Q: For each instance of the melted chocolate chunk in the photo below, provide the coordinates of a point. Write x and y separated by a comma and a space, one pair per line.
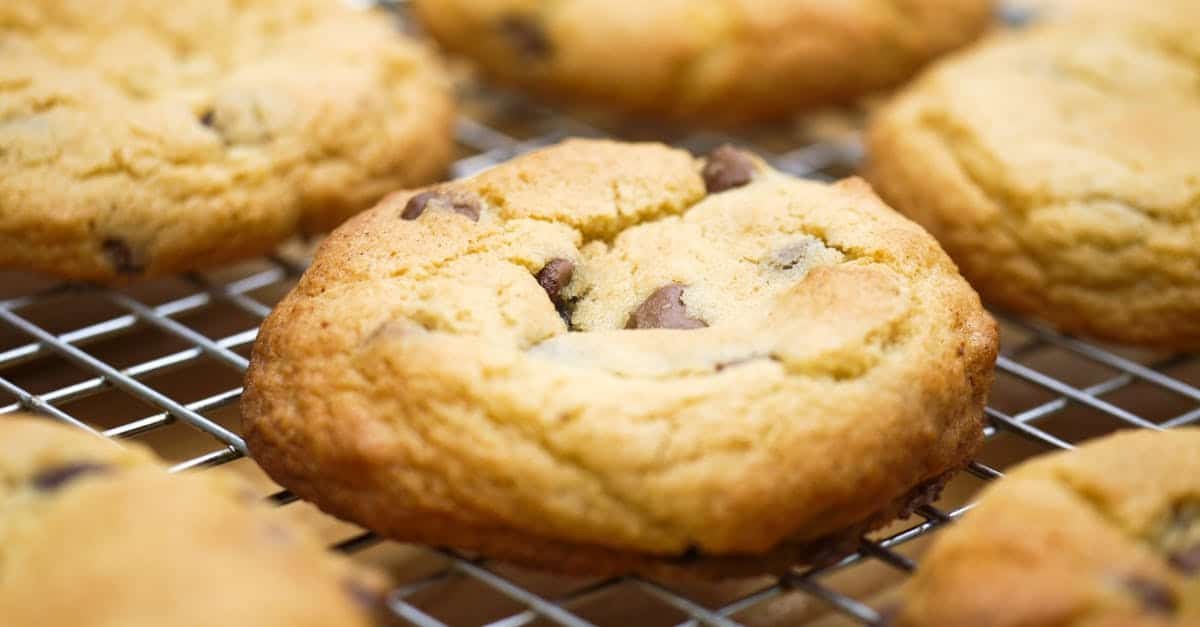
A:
1155, 597
664, 309
121, 256
553, 278
527, 36
462, 204
57, 477
208, 118
794, 254
690, 555
1186, 561
416, 205
727, 168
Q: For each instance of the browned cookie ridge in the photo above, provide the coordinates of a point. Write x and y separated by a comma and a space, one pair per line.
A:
614, 370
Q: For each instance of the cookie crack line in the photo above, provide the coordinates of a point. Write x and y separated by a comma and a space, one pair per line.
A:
726, 170
951, 140
1006, 204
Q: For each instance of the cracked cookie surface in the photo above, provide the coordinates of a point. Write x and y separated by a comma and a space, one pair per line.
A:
706, 60
1058, 167
143, 140
599, 366
96, 534
1107, 535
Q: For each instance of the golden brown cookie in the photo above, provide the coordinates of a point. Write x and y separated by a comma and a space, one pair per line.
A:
1104, 536
1058, 167
611, 358
142, 140
704, 60
98, 534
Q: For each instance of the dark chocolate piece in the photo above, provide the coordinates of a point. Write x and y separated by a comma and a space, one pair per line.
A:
664, 309
727, 168
59, 476
462, 204
121, 256
1155, 597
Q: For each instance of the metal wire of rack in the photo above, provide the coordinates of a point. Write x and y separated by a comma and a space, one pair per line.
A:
162, 363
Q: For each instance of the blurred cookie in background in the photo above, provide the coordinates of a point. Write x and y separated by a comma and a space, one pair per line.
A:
146, 139
99, 534
1105, 535
1058, 166
707, 62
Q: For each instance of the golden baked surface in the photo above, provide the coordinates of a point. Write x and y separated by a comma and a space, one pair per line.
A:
137, 140
1059, 168
704, 60
458, 366
1107, 535
98, 534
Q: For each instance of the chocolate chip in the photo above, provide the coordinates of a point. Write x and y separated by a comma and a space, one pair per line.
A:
792, 255
1186, 561
1155, 597
59, 476
208, 118
689, 555
554, 277
526, 35
416, 205
121, 256
727, 168
460, 203
664, 309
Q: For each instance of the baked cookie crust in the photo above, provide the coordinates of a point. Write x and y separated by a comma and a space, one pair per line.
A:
609, 358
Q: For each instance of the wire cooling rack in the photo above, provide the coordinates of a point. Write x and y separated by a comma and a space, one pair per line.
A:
162, 363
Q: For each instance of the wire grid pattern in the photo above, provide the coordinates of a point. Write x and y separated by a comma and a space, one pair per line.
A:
1052, 391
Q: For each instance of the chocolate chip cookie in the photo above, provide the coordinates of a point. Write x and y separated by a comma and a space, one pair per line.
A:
706, 61
98, 534
1107, 535
1058, 166
148, 139
610, 358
